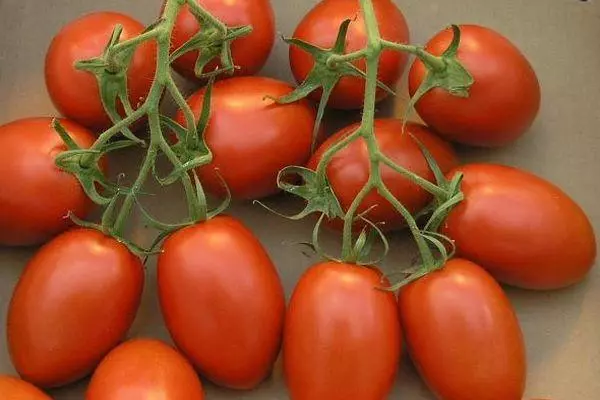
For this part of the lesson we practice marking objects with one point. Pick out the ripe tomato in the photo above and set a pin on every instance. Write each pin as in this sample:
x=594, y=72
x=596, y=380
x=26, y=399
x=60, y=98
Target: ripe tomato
x=251, y=137
x=349, y=169
x=342, y=335
x=249, y=52
x=524, y=230
x=74, y=302
x=144, y=369
x=28, y=148
x=17, y=389
x=320, y=27
x=503, y=102
x=75, y=93
x=222, y=301
x=463, y=335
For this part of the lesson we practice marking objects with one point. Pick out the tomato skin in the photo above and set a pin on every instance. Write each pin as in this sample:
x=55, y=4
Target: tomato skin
x=463, y=335
x=74, y=302
x=143, y=369
x=342, y=336
x=252, y=138
x=524, y=230
x=17, y=389
x=249, y=53
x=320, y=27
x=28, y=148
x=349, y=170
x=75, y=93
x=222, y=301
x=492, y=115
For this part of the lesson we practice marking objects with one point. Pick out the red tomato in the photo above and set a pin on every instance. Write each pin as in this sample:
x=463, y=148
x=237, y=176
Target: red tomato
x=320, y=27
x=342, y=335
x=75, y=93
x=463, y=335
x=16, y=389
x=524, y=230
x=249, y=52
x=349, y=170
x=251, y=137
x=144, y=369
x=503, y=101
x=74, y=302
x=222, y=301
x=28, y=214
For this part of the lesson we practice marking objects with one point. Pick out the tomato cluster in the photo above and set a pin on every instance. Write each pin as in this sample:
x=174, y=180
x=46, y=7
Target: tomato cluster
x=342, y=334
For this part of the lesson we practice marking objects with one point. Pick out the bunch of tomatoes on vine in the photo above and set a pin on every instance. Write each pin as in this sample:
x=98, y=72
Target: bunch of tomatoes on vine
x=245, y=138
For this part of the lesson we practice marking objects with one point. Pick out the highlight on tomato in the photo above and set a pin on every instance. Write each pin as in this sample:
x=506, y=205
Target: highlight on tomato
x=249, y=52
x=503, y=101
x=76, y=93
x=74, y=302
x=222, y=301
x=251, y=137
x=463, y=335
x=521, y=228
x=16, y=389
x=342, y=336
x=28, y=149
x=349, y=169
x=143, y=369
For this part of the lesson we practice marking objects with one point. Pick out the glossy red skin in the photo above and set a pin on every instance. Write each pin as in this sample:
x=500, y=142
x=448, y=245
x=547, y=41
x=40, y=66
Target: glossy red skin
x=342, y=336
x=75, y=301
x=17, y=389
x=251, y=137
x=145, y=369
x=36, y=195
x=222, y=301
x=463, y=335
x=320, y=27
x=75, y=93
x=503, y=102
x=249, y=52
x=349, y=170
x=524, y=230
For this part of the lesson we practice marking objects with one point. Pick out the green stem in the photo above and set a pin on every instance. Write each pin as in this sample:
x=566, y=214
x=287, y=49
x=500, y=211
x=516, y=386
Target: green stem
x=416, y=179
x=197, y=10
x=135, y=41
x=335, y=59
x=434, y=62
x=182, y=104
x=332, y=151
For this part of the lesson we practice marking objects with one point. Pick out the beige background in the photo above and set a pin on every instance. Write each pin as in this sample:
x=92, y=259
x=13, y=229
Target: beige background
x=561, y=39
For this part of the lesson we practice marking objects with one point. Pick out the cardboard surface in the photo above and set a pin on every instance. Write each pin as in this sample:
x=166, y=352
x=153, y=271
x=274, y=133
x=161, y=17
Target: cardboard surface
x=562, y=40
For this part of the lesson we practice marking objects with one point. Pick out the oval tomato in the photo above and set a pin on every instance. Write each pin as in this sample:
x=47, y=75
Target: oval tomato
x=503, y=102
x=251, y=137
x=28, y=148
x=320, y=27
x=74, y=302
x=349, y=169
x=17, y=389
x=463, y=335
x=342, y=335
x=249, y=52
x=222, y=301
x=524, y=230
x=75, y=93
x=144, y=369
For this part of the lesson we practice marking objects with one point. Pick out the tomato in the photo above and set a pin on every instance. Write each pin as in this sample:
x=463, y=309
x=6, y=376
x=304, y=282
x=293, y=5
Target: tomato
x=320, y=27
x=524, y=230
x=16, y=389
x=251, y=137
x=75, y=93
x=28, y=148
x=463, y=335
x=349, y=169
x=222, y=301
x=342, y=337
x=248, y=52
x=144, y=369
x=503, y=102
x=74, y=302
